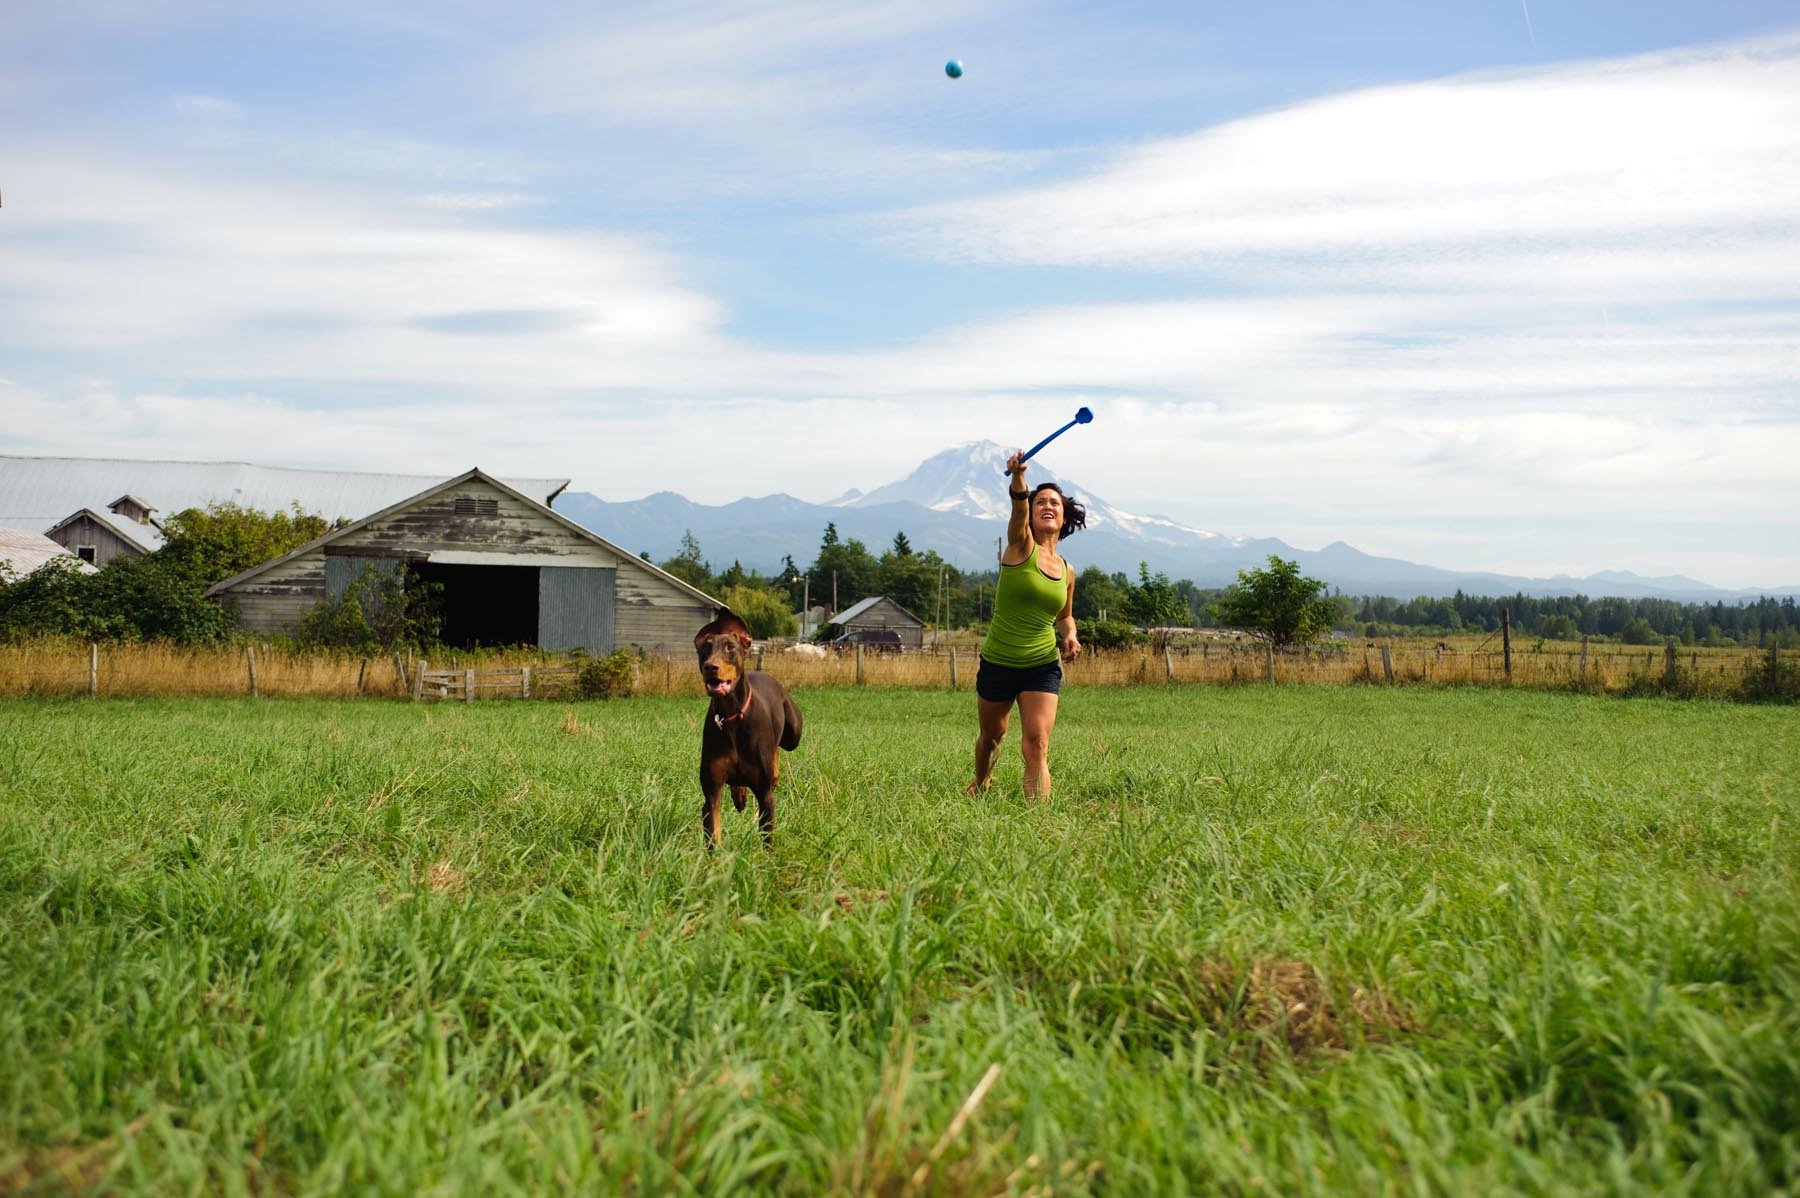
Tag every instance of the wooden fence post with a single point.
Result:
(1168, 665)
(759, 657)
(1387, 665)
(1506, 640)
(418, 685)
(952, 667)
(1581, 670)
(469, 685)
(1669, 661)
(362, 671)
(250, 660)
(525, 684)
(859, 665)
(1268, 663)
(94, 670)
(400, 672)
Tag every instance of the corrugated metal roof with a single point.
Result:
(24, 552)
(858, 608)
(36, 492)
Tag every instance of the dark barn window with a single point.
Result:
(85, 553)
(486, 605)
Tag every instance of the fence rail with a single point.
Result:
(128, 670)
(470, 683)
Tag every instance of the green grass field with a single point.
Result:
(1278, 940)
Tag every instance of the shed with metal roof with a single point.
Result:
(98, 537)
(878, 611)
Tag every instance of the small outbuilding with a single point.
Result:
(878, 611)
(510, 571)
(127, 528)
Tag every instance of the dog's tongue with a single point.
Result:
(719, 688)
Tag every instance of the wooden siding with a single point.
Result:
(131, 509)
(276, 599)
(885, 613)
(654, 615)
(498, 522)
(85, 530)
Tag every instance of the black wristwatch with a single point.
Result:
(1018, 494)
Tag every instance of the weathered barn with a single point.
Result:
(878, 611)
(125, 529)
(512, 571)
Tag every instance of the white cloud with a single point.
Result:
(475, 201)
(220, 278)
(204, 107)
(1627, 154)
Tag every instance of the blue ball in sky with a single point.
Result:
(953, 68)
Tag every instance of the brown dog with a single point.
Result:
(748, 717)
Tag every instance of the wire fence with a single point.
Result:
(125, 670)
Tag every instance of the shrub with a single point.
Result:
(379, 609)
(611, 677)
(764, 611)
(1777, 681)
(1107, 634)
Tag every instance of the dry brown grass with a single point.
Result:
(1279, 999)
(61, 667)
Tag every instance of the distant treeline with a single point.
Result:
(1566, 617)
(924, 583)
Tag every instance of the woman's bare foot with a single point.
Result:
(978, 788)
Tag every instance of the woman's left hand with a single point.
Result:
(1071, 647)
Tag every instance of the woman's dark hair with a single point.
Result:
(1074, 515)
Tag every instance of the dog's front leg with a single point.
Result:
(712, 788)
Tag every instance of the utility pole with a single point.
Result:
(805, 581)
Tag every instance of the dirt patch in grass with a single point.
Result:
(62, 1168)
(1252, 1006)
(1290, 1001)
(444, 878)
(850, 900)
(1397, 833)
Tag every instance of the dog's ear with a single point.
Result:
(727, 624)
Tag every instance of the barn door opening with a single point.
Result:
(485, 605)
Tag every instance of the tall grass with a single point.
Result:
(53, 667)
(1282, 940)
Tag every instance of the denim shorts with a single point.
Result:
(1002, 684)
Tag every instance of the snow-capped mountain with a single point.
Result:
(955, 503)
(967, 481)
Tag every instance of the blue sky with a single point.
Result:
(1509, 286)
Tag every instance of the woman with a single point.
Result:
(1034, 602)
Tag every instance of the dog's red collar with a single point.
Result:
(721, 720)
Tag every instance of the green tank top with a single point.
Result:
(1026, 604)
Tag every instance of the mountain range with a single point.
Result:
(954, 503)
